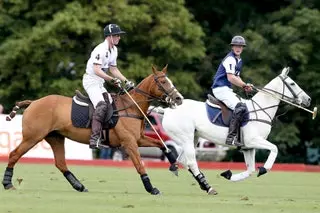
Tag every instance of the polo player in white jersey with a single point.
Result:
(102, 63)
(228, 74)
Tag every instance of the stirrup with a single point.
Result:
(232, 143)
(238, 144)
(235, 142)
(98, 145)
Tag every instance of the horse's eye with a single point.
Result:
(292, 84)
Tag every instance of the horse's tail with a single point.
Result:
(19, 105)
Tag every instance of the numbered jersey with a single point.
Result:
(102, 55)
(230, 64)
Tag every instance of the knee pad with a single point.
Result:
(241, 108)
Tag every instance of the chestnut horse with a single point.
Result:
(49, 118)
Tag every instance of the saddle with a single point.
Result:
(226, 113)
(82, 112)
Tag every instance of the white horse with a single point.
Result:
(190, 120)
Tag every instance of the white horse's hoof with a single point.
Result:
(262, 171)
(226, 174)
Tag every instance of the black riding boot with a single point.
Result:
(96, 126)
(235, 124)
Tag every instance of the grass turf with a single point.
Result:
(43, 189)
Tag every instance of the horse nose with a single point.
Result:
(309, 101)
(178, 100)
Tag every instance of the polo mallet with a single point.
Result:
(144, 115)
(314, 112)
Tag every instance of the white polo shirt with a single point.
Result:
(102, 55)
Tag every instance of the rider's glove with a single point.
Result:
(248, 87)
(129, 84)
(116, 82)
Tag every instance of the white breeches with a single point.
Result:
(227, 96)
(94, 88)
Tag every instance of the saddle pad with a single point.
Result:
(79, 115)
(215, 116)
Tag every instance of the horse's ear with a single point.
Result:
(285, 71)
(164, 70)
(154, 70)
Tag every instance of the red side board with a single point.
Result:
(157, 164)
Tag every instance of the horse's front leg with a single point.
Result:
(188, 157)
(249, 157)
(146, 141)
(261, 143)
(131, 149)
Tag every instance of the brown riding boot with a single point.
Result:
(95, 139)
(96, 126)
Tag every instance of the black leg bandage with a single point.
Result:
(201, 179)
(75, 183)
(146, 182)
(7, 178)
(171, 157)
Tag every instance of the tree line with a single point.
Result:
(44, 46)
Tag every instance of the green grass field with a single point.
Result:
(44, 190)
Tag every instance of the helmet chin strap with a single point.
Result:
(112, 40)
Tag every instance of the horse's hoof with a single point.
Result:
(10, 188)
(155, 191)
(85, 190)
(211, 191)
(174, 168)
(226, 174)
(262, 171)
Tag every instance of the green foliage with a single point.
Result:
(44, 46)
(40, 36)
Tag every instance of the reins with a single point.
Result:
(149, 99)
(271, 93)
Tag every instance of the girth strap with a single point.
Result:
(140, 117)
(262, 121)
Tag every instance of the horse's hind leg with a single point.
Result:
(188, 159)
(14, 156)
(56, 142)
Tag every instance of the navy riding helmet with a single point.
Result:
(112, 29)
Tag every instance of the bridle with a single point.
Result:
(272, 92)
(165, 98)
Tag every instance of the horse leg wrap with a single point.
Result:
(201, 179)
(75, 183)
(146, 182)
(171, 158)
(7, 178)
